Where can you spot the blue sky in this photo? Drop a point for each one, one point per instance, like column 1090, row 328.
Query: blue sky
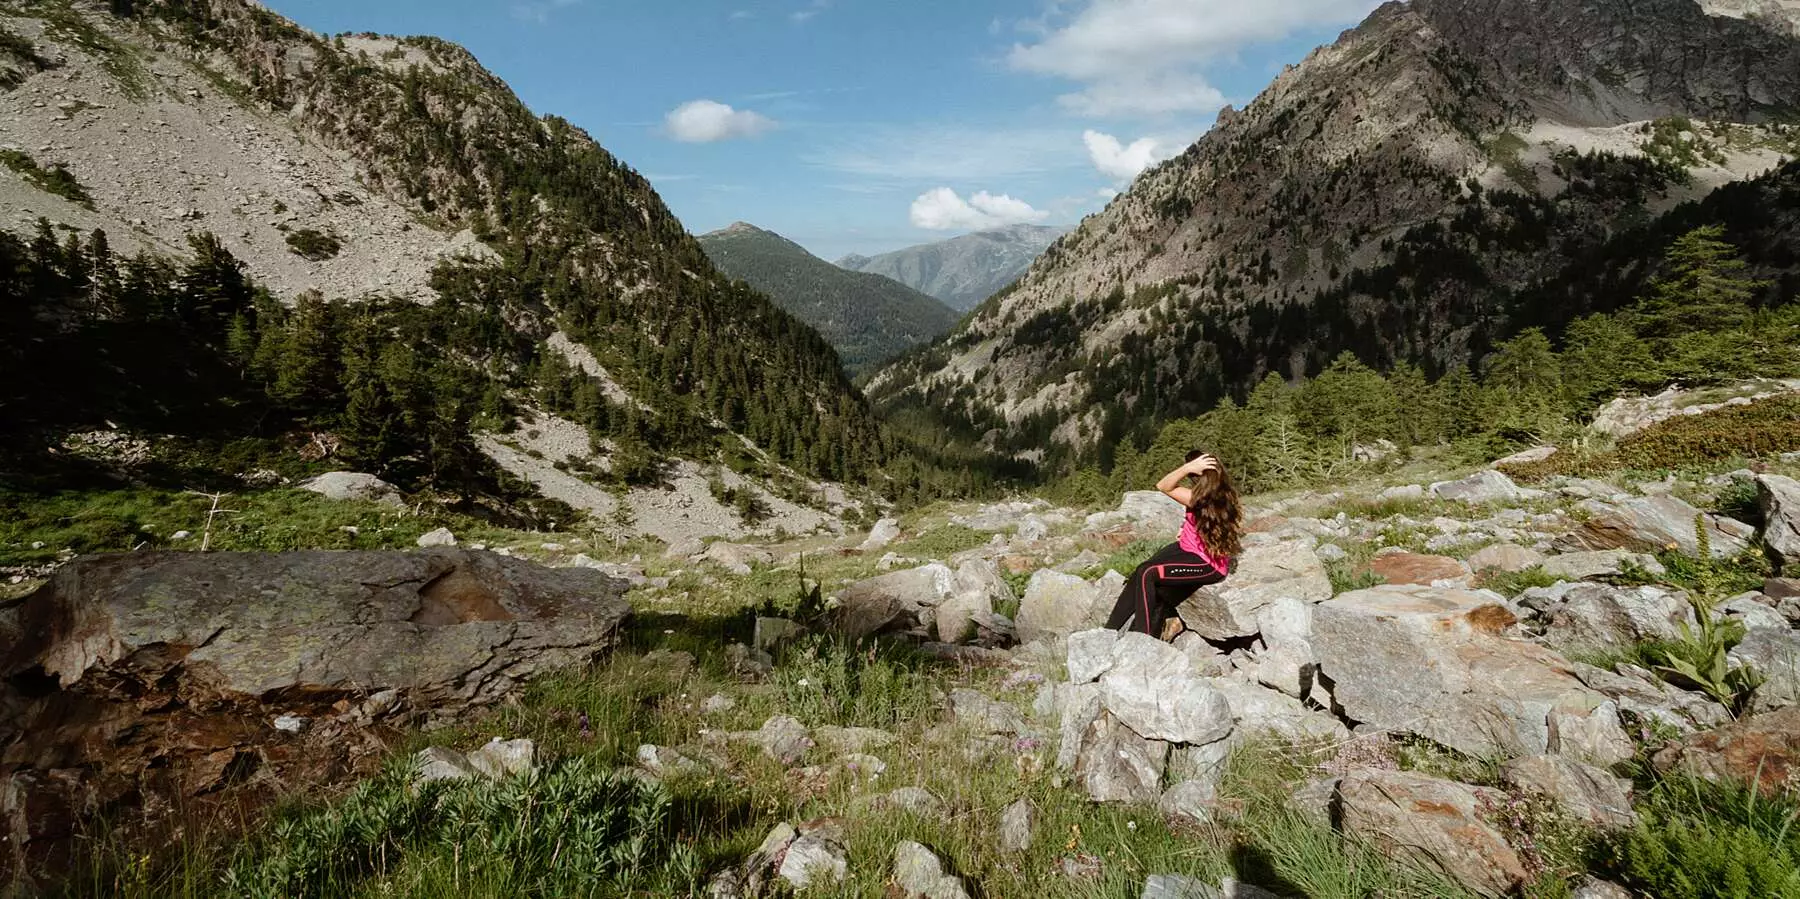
column 865, row 126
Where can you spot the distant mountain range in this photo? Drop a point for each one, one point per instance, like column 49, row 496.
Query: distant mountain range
column 965, row 270
column 867, row 317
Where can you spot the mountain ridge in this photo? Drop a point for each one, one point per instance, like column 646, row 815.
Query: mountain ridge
column 962, row 271
column 867, row 317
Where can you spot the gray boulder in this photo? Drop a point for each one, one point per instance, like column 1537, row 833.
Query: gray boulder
column 437, row 538
column 1152, row 690
column 1018, row 824
column 986, row 715
column 1582, row 566
column 1654, row 524
column 1266, row 573
column 1190, row 800
column 1255, row 710
column 814, row 860
column 1146, row 510
column 1773, row 653
column 1433, row 662
column 1091, row 654
column 963, row 615
column 1597, row 617
column 1588, row 793
column 898, row 602
column 499, row 759
column 351, row 485
column 1117, row 765
column 1643, row 694
column 1079, row 707
column 885, row 531
column 1752, row 610
column 919, row 874
column 1057, row 604
column 1505, row 557
column 735, row 558
column 1437, row 823
column 1482, row 488
column 1779, row 499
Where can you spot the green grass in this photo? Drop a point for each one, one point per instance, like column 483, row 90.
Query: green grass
column 1709, row 841
column 1513, row 583
column 313, row 245
column 53, row 180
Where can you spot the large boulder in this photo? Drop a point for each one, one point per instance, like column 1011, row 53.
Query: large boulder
column 157, row 676
column 1412, row 568
column 978, row 586
column 1057, row 604
column 885, row 531
column 1152, row 689
column 1588, row 793
column 1267, row 572
column 1436, row 662
column 1762, row 750
column 919, row 874
column 1257, row 710
column 897, row 602
column 1144, row 510
column 1628, row 415
column 1582, row 566
column 1598, row 617
column 1773, row 653
column 1654, row 524
column 1116, row 765
column 354, row 485
column 1482, row 488
column 1779, row 499
column 1437, row 823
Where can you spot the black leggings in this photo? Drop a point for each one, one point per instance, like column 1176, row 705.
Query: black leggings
column 1158, row 586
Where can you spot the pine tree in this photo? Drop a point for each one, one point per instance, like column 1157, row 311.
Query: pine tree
column 1702, row 289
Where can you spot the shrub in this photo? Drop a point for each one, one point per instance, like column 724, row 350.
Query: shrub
column 1513, row 583
column 828, row 681
column 54, row 180
column 1763, row 428
column 314, row 245
column 570, row 829
column 1700, row 840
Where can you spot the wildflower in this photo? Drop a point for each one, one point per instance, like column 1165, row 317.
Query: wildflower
column 801, row 683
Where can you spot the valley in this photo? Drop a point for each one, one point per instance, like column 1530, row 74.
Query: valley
column 401, row 496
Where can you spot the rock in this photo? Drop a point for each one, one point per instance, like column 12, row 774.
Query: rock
column 1090, row 654
column 1595, row 737
column 968, row 611
column 814, row 860
column 1778, row 588
column 1190, row 800
column 1117, row 765
column 662, row 761
column 155, row 666
column 1597, row 617
column 1752, row 610
column 1151, row 689
column 1762, row 750
column 912, row 800
column 1081, row 706
column 439, row 763
column 747, row 662
column 986, row 715
column 1032, row 529
column 1255, row 710
column 500, row 759
column 1637, row 691
column 898, row 602
column 1410, row 568
column 1430, row 661
column 1482, row 488
column 1018, row 823
column 1146, row 510
column 769, row 634
column 1058, row 604
column 1405, row 493
column 1436, row 822
column 1654, row 524
column 885, row 531
column 750, row 877
column 919, row 874
column 1526, row 457
column 1505, row 557
column 1582, row 566
column 1778, row 498
column 350, row 485
column 1773, row 653
column 1287, row 661
column 291, row 724
column 1594, row 888
column 1589, row 794
column 781, row 738
column 1265, row 573
column 1628, row 415
column 735, row 558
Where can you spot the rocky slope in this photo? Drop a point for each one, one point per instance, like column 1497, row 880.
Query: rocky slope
column 363, row 166
column 868, row 318
column 962, row 271
column 1459, row 158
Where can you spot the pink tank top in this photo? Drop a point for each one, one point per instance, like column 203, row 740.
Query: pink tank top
column 1190, row 542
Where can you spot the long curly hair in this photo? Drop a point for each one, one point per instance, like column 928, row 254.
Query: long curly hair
column 1218, row 515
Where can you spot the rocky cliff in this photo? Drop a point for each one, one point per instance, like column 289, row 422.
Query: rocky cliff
column 1464, row 148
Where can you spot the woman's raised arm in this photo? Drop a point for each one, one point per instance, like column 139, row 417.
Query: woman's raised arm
column 1171, row 487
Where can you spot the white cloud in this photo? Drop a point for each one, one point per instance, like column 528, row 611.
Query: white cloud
column 1116, row 160
column 1143, row 57
column 941, row 209
column 705, row 121
column 812, row 9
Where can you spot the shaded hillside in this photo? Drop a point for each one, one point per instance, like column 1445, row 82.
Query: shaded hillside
column 962, row 271
column 1387, row 195
column 868, row 318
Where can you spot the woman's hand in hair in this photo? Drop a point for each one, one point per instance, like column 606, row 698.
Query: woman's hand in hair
column 1203, row 464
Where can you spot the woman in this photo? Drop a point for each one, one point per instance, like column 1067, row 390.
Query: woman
column 1200, row 557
